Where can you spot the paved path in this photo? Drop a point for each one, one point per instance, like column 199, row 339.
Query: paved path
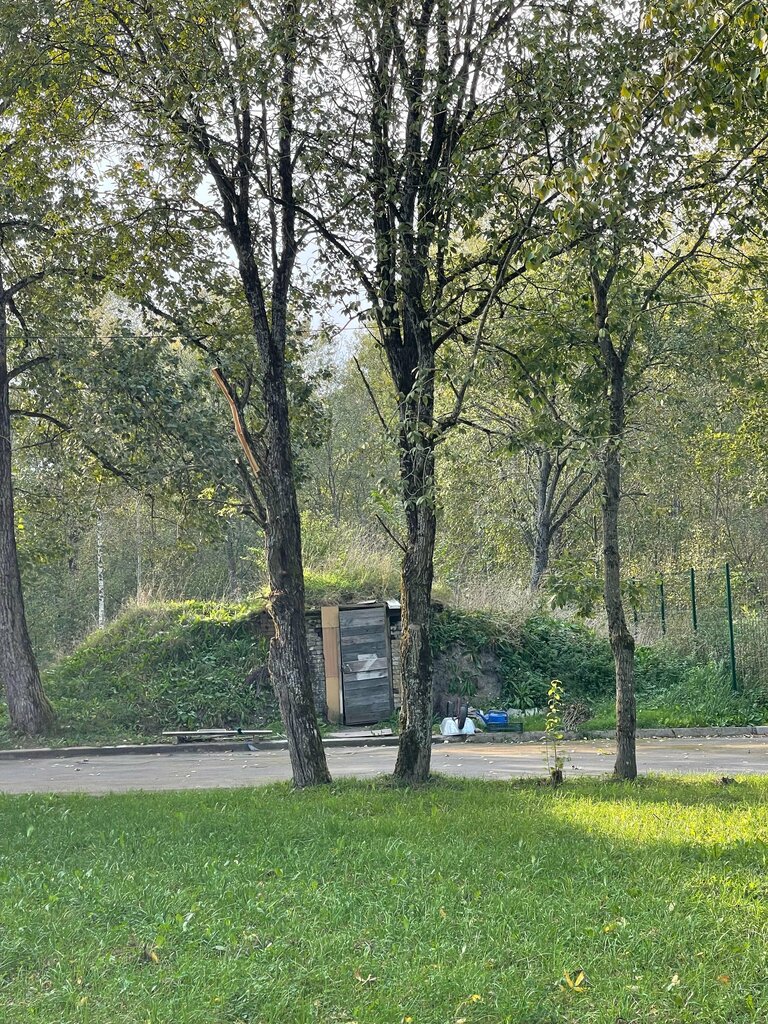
column 737, row 756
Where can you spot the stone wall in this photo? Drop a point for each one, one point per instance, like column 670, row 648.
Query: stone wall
column 264, row 629
column 395, row 632
column 455, row 666
column 317, row 662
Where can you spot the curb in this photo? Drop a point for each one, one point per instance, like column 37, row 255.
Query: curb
column 66, row 753
column 225, row 746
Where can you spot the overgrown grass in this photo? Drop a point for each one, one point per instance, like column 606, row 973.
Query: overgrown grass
column 460, row 902
column 179, row 664
column 673, row 688
column 185, row 664
column 704, row 696
column 159, row 666
column 341, row 586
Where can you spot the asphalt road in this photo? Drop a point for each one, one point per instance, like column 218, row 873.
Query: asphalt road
column 222, row 769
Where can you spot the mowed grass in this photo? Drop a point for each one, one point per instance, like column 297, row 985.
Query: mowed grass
column 460, row 902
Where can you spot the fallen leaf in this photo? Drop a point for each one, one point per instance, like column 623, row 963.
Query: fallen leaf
column 578, row 982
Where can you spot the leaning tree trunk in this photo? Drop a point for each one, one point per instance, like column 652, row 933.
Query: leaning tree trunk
column 28, row 707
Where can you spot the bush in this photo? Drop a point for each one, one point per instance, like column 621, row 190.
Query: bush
column 531, row 653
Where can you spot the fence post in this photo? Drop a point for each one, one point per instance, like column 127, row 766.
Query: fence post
column 662, row 606
column 694, row 617
column 729, row 603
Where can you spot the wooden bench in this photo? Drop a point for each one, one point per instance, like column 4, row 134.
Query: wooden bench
column 206, row 735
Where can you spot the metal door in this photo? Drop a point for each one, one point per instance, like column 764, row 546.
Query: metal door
column 365, row 666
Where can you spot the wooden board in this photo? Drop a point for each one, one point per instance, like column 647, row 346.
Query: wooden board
column 190, row 735
column 329, row 617
column 365, row 665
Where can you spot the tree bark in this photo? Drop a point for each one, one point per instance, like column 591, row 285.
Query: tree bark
column 417, row 478
column 621, row 639
column 28, row 707
column 289, row 664
column 542, row 533
column 102, row 613
column 269, row 474
column 540, row 562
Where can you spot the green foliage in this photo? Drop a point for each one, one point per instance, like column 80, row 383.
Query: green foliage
column 674, row 688
column 266, row 905
column 660, row 667
column 688, row 696
column 572, row 586
column 532, row 652
column 553, row 729
column 704, row 696
column 183, row 664
column 162, row 666
column 470, row 630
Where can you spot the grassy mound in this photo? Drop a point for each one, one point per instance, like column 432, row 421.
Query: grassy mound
column 469, row 902
column 163, row 666
column 185, row 665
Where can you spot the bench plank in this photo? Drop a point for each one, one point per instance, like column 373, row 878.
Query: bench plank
column 189, row 735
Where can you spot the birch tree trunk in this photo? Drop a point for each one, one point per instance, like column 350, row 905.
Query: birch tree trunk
column 102, row 612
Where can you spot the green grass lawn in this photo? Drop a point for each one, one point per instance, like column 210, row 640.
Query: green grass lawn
column 458, row 902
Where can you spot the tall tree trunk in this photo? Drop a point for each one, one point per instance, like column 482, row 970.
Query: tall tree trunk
column 621, row 640
column 540, row 562
column 289, row 665
column 277, row 510
column 418, row 481
column 28, row 707
column 271, row 485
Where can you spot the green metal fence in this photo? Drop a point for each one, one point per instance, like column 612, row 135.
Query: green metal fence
column 720, row 614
